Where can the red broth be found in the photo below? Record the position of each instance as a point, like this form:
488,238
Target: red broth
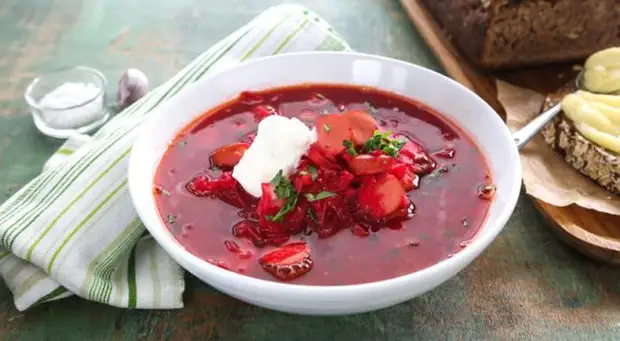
449,210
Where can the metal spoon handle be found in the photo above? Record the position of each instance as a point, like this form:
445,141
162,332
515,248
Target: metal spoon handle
525,134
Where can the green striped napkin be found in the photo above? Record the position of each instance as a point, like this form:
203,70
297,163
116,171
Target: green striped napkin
73,230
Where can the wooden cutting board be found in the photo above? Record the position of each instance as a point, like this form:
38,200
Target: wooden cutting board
594,234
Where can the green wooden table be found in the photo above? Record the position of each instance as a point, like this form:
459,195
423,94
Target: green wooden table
527,286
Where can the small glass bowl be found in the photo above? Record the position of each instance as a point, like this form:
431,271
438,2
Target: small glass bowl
63,121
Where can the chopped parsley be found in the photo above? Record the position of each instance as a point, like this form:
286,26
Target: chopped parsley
282,186
288,208
283,189
383,141
350,147
312,215
313,172
437,172
326,128
171,219
319,196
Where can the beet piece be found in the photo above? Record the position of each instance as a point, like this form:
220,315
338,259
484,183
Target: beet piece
332,215
331,181
232,246
201,186
302,178
268,206
247,229
413,153
406,175
321,158
296,220
359,230
226,188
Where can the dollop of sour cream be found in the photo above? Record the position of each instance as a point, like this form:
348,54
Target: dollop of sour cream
279,145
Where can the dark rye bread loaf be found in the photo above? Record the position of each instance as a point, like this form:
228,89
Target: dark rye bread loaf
591,160
496,34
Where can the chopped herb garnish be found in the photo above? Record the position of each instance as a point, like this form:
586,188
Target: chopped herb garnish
289,207
276,179
437,172
326,128
319,196
312,215
282,186
182,143
383,141
284,190
172,219
350,147
313,172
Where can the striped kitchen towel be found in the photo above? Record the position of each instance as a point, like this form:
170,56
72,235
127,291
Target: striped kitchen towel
73,230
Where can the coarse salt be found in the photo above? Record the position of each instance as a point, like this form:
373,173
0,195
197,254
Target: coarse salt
72,95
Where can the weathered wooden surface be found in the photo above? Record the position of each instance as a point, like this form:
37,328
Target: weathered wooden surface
526,286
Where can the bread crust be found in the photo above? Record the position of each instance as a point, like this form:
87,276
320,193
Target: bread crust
503,34
591,160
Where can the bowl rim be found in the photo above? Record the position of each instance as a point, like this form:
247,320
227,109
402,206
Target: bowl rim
85,69
460,259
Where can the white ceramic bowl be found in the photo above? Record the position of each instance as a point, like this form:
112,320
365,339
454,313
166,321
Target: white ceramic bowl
441,93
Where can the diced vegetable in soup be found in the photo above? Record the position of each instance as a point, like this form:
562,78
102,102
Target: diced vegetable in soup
323,185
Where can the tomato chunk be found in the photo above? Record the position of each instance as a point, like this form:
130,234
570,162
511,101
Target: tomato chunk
363,126
369,164
406,175
229,156
331,131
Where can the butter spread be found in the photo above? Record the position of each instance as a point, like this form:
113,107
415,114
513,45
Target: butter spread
602,71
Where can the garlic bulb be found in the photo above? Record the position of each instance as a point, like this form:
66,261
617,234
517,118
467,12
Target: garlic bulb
132,85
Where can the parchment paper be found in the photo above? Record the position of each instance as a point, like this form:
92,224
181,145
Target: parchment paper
546,175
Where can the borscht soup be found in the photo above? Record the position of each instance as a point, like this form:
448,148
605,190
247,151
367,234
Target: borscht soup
323,185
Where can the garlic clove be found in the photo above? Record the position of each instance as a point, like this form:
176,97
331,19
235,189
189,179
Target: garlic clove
132,85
